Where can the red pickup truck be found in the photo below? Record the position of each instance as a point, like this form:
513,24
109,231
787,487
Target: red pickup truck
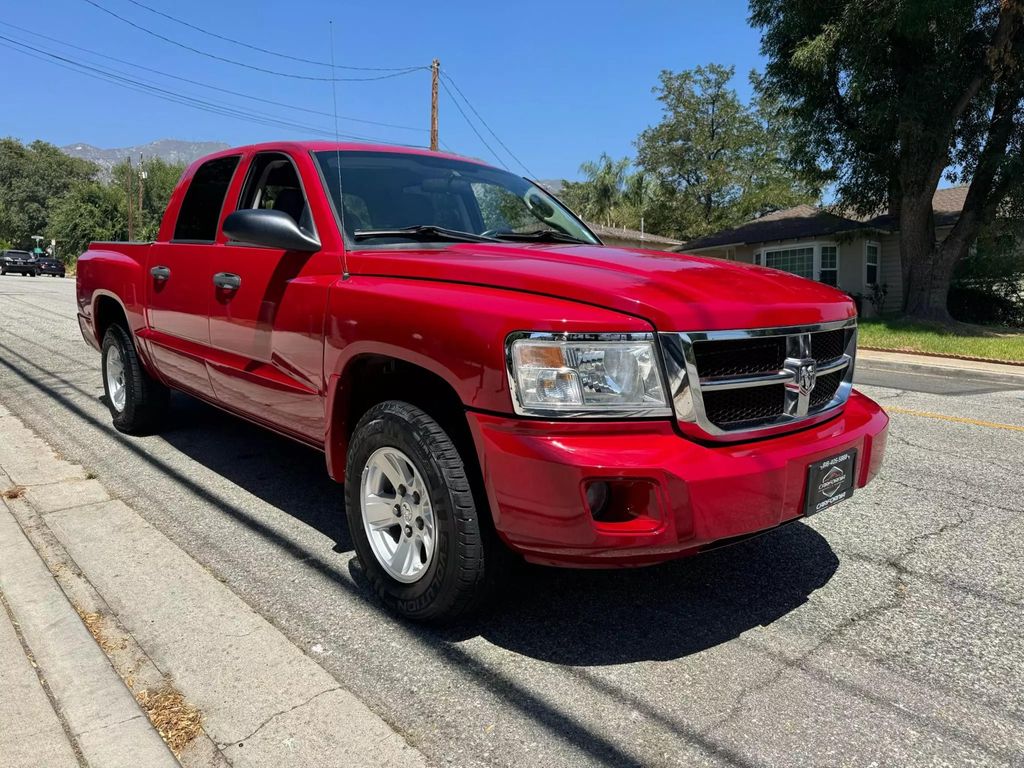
479,370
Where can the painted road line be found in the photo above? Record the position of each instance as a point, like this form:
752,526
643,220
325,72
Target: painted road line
957,419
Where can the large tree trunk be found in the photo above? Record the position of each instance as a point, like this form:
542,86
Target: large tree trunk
925,276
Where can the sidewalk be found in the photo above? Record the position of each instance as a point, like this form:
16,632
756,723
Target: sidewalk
105,620
1000,373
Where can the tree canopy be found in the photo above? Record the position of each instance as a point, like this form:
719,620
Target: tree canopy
712,162
888,96
45,192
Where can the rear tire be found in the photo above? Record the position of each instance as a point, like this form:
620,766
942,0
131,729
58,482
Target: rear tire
138,403
450,571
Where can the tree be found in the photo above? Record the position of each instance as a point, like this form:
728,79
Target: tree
890,95
595,198
88,211
30,178
717,161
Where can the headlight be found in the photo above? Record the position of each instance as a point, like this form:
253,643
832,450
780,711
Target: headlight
586,375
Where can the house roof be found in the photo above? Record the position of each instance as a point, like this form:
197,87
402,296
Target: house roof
805,221
631,234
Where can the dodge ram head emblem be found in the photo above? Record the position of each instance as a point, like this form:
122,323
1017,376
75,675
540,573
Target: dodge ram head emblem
806,375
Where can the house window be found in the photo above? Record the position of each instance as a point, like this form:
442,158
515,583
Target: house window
815,261
799,261
828,273
872,254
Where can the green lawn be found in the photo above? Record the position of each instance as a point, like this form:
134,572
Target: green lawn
938,339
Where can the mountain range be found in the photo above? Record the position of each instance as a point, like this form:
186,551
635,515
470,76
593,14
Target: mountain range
170,150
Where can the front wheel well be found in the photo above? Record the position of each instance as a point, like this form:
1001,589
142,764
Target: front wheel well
372,379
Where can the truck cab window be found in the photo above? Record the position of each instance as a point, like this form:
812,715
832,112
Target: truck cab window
200,210
273,184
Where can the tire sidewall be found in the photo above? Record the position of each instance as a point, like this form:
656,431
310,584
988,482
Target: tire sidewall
118,337
388,428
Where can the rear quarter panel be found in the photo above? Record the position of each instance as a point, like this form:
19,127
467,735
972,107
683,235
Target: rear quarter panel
114,270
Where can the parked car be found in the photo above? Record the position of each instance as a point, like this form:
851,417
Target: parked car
20,263
483,375
50,266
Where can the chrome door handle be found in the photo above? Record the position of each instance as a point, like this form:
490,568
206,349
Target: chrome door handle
227,281
160,273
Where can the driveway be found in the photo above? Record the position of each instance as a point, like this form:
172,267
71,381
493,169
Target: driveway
887,631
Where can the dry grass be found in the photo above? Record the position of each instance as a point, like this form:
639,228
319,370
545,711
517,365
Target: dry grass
14,493
94,623
177,721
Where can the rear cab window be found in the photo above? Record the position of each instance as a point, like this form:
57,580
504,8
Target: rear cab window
200,210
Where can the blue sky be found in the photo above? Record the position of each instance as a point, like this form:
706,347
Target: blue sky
559,83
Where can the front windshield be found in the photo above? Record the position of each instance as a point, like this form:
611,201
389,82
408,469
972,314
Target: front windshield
395,190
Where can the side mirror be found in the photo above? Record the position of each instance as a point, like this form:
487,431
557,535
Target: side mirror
272,229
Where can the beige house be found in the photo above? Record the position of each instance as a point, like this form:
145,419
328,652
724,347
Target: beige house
851,253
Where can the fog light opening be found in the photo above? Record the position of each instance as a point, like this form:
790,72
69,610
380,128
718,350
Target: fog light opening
613,502
598,495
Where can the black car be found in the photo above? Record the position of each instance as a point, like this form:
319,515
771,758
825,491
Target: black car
50,266
19,262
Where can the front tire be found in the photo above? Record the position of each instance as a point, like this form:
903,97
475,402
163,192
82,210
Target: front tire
412,515
137,401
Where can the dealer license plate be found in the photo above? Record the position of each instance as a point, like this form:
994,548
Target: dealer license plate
830,481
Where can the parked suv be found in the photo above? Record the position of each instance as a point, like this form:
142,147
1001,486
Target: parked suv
20,263
480,371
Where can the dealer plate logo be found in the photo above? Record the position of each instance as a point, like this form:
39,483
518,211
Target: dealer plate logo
832,481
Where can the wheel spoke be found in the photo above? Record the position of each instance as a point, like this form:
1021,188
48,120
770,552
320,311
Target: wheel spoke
379,511
402,557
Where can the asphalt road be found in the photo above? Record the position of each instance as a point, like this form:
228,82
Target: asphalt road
887,631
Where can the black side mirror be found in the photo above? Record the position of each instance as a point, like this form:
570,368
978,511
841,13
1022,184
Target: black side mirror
272,229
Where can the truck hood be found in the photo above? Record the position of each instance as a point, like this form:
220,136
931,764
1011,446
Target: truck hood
675,292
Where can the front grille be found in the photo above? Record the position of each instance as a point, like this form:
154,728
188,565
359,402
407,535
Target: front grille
740,357
826,346
733,382
825,388
737,408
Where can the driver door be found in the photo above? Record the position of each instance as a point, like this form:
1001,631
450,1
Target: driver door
267,312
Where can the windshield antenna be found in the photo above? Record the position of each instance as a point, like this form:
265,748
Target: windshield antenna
337,138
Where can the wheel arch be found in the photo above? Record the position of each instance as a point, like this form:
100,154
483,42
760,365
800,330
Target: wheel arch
370,377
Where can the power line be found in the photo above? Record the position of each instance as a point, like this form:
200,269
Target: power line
257,48
175,97
485,125
236,63
209,86
470,124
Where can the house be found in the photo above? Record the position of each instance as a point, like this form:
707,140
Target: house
850,252
631,238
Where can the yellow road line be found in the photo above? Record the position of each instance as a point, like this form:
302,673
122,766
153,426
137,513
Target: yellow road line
957,419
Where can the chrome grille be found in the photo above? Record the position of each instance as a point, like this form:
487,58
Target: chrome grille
727,384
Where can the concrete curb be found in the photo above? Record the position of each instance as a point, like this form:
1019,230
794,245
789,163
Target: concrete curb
993,373
102,718
264,702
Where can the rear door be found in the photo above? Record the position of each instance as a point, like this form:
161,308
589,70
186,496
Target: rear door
180,280
267,328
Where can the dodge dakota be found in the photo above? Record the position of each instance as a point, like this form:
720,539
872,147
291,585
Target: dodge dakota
482,374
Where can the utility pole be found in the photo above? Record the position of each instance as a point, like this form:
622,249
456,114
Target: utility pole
142,184
128,196
435,73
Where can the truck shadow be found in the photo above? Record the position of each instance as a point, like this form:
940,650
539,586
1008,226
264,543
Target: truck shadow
566,617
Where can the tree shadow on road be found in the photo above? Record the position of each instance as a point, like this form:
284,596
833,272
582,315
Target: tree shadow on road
572,617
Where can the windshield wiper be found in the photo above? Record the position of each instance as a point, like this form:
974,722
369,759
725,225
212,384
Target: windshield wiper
541,235
425,232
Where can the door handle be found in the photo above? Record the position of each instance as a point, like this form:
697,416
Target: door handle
227,281
160,273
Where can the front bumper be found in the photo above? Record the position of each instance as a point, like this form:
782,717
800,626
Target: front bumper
536,472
